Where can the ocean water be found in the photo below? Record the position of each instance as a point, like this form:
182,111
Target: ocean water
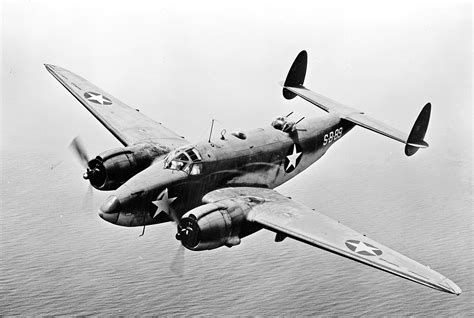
59,258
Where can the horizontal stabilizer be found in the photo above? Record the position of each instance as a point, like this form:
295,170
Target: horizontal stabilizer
293,86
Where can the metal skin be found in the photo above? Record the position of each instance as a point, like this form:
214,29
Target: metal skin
257,160
114,167
219,191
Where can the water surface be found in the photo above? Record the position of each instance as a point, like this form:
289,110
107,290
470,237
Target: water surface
59,257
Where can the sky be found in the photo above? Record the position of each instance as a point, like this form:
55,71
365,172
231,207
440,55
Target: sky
185,63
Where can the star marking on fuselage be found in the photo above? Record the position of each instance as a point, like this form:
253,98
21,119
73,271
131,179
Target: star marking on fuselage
363,248
293,159
97,98
163,203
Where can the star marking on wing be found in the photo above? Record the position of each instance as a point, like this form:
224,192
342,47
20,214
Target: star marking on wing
163,203
293,159
363,248
97,98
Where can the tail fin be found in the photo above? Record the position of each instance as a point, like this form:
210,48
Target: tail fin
418,132
296,74
293,86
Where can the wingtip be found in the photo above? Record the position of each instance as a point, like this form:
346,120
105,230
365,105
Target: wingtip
451,287
50,67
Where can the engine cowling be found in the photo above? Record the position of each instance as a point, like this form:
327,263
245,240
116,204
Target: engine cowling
213,225
112,168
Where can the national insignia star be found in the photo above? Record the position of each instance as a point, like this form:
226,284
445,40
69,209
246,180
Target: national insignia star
362,247
292,158
99,98
163,203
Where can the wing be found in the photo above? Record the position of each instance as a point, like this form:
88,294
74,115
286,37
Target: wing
289,218
127,124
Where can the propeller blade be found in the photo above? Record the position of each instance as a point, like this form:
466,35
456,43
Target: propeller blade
174,217
87,201
177,265
77,147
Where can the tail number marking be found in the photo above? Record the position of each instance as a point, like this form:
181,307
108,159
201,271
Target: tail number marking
332,136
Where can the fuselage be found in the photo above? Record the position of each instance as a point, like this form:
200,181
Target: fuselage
264,157
268,157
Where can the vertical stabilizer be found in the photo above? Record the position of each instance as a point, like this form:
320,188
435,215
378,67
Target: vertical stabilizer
296,75
418,132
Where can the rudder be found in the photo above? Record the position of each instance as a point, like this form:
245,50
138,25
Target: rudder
415,139
296,75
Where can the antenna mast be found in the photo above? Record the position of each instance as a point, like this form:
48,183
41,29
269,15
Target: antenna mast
210,134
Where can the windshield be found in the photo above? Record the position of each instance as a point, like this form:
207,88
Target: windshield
187,160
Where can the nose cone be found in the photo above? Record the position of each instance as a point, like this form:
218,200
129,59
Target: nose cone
109,211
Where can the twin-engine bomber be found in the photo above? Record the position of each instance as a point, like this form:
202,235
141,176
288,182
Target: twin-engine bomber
220,191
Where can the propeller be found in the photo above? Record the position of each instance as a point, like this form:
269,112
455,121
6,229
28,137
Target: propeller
87,201
174,217
177,264
79,150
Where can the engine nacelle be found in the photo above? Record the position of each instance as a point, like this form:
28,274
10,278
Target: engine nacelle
112,168
212,225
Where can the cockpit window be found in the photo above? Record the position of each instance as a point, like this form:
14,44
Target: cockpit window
184,159
194,154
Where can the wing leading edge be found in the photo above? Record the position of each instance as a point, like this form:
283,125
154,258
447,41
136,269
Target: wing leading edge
290,218
127,124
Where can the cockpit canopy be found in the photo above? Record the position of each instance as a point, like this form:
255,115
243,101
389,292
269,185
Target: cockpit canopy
184,159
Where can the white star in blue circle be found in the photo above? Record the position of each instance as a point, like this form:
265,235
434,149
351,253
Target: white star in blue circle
163,203
363,248
97,98
293,158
